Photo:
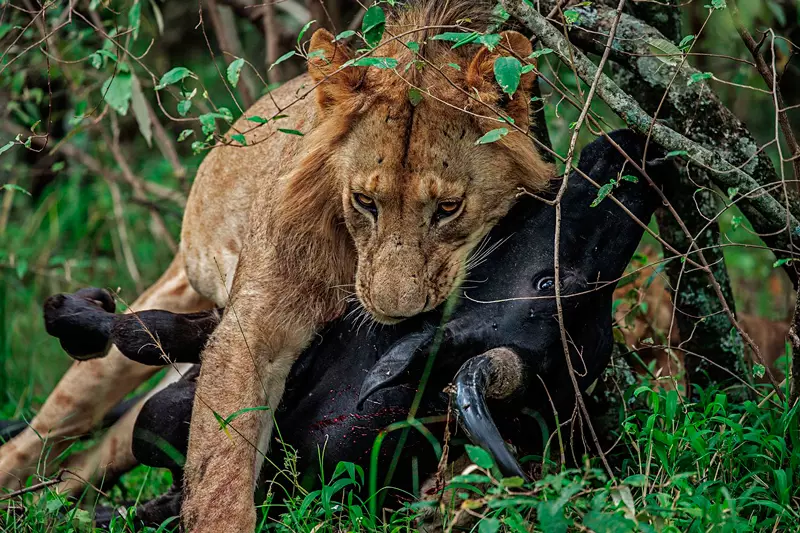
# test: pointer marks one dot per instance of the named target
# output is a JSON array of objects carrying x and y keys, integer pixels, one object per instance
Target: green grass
[{"x": 710, "y": 465}]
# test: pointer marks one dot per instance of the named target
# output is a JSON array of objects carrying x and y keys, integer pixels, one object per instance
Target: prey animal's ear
[
  {"x": 326, "y": 65},
  {"x": 481, "y": 78}
]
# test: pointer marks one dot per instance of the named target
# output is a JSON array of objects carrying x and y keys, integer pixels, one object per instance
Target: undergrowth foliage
[
  {"x": 88, "y": 100},
  {"x": 709, "y": 465}
]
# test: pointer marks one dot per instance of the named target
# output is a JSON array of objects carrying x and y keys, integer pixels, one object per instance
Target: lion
[{"x": 386, "y": 191}]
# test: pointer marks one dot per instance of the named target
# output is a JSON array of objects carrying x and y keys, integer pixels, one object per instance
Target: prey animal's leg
[
  {"x": 90, "y": 388},
  {"x": 113, "y": 456}
]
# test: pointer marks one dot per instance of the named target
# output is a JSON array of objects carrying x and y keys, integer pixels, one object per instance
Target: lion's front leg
[{"x": 245, "y": 365}]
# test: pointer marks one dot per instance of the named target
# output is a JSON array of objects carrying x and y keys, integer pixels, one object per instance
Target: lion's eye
[
  {"x": 365, "y": 202},
  {"x": 447, "y": 208}
]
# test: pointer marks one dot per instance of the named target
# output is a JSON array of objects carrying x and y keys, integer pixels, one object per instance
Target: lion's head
[{"x": 417, "y": 191}]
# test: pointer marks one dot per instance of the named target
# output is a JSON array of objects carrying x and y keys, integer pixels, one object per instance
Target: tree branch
[
  {"x": 226, "y": 44},
  {"x": 629, "y": 110},
  {"x": 771, "y": 82},
  {"x": 774, "y": 218},
  {"x": 692, "y": 109}
]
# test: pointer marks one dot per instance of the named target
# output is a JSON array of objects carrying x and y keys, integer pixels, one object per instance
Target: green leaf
[
  {"x": 540, "y": 53},
  {"x": 208, "y": 120},
  {"x": 174, "y": 76},
  {"x": 258, "y": 120},
  {"x": 233, "y": 416},
  {"x": 12, "y": 187},
  {"x": 479, "y": 456},
  {"x": 5, "y": 29},
  {"x": 459, "y": 38},
  {"x": 234, "y": 70},
  {"x": 628, "y": 177},
  {"x": 512, "y": 482},
  {"x": 413, "y": 46},
  {"x": 778, "y": 13},
  {"x": 678, "y": 153},
  {"x": 782, "y": 262},
  {"x": 185, "y": 134},
  {"x": 551, "y": 516},
  {"x": 636, "y": 480},
  {"x": 507, "y": 72},
  {"x": 490, "y": 40},
  {"x": 22, "y": 267},
  {"x": 98, "y": 58},
  {"x": 141, "y": 112},
  {"x": 303, "y": 31},
  {"x": 344, "y": 35},
  {"x": 377, "y": 62},
  {"x": 238, "y": 137},
  {"x": 571, "y": 16},
  {"x": 665, "y": 51},
  {"x": 759, "y": 370},
  {"x": 135, "y": 18},
  {"x": 414, "y": 96},
  {"x": 184, "y": 106},
  {"x": 717, "y": 4},
  {"x": 489, "y": 525},
  {"x": 372, "y": 25},
  {"x": 117, "y": 92},
  {"x": 158, "y": 16},
  {"x": 454, "y": 65},
  {"x": 698, "y": 77},
  {"x": 492, "y": 136},
  {"x": 6, "y": 147},
  {"x": 290, "y": 132},
  {"x": 602, "y": 192},
  {"x": 283, "y": 58},
  {"x": 732, "y": 191},
  {"x": 686, "y": 42}
]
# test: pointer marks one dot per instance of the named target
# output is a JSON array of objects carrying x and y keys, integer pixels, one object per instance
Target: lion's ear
[
  {"x": 326, "y": 65},
  {"x": 480, "y": 76}
]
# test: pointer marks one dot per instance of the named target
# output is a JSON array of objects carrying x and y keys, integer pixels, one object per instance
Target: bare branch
[{"x": 771, "y": 82}]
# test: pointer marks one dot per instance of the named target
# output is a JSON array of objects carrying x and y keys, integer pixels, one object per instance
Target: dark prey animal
[{"x": 499, "y": 343}]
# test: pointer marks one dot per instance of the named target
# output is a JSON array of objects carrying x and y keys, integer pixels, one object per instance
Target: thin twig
[
  {"x": 557, "y": 240},
  {"x": 770, "y": 80}
]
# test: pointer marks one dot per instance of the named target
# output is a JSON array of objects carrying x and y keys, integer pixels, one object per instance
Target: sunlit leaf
[
  {"x": 141, "y": 112},
  {"x": 698, "y": 77},
  {"x": 479, "y": 456},
  {"x": 303, "y": 31},
  {"x": 13, "y": 187},
  {"x": 602, "y": 192},
  {"x": 507, "y": 72},
  {"x": 174, "y": 76},
  {"x": 283, "y": 58},
  {"x": 493, "y": 136},
  {"x": 185, "y": 134},
  {"x": 135, "y": 18},
  {"x": 234, "y": 70},
  {"x": 344, "y": 35},
  {"x": 117, "y": 92},
  {"x": 372, "y": 25},
  {"x": 377, "y": 62}
]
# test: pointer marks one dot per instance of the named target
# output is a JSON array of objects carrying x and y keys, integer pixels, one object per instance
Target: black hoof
[{"x": 81, "y": 321}]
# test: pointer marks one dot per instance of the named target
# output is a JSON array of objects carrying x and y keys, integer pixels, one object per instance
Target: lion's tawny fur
[{"x": 273, "y": 231}]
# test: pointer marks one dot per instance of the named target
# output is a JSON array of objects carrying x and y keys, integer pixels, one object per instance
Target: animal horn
[
  {"x": 391, "y": 366},
  {"x": 496, "y": 374}
]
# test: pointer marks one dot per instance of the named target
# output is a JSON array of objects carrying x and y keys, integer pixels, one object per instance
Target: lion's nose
[{"x": 398, "y": 299}]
